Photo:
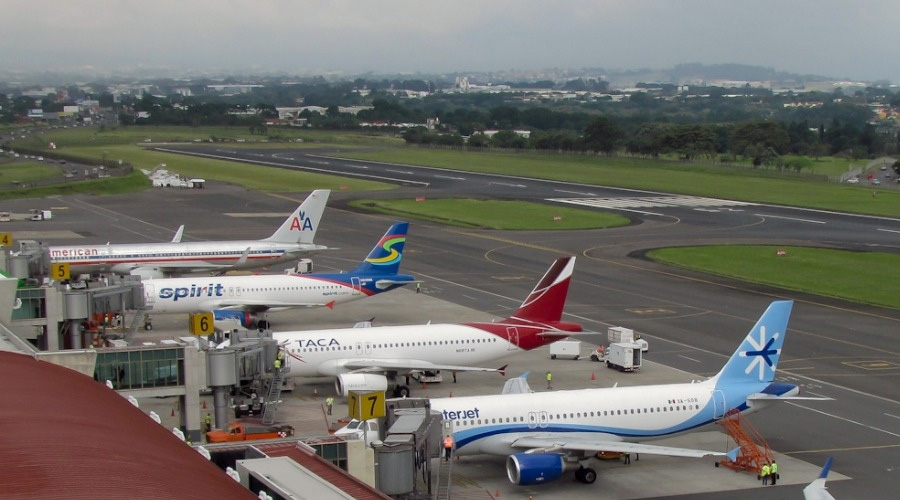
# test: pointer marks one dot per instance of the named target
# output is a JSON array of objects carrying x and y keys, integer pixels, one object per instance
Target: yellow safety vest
[
  {"x": 774, "y": 468},
  {"x": 765, "y": 470}
]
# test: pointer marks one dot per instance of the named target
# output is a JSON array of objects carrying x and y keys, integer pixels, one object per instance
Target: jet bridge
[{"x": 412, "y": 438}]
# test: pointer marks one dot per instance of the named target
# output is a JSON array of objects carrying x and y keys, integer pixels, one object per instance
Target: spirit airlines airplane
[
  {"x": 158, "y": 260},
  {"x": 243, "y": 298},
  {"x": 544, "y": 434},
  {"x": 370, "y": 359}
]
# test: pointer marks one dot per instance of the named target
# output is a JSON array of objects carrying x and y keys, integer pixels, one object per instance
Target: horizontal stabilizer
[
  {"x": 383, "y": 365},
  {"x": 774, "y": 397}
]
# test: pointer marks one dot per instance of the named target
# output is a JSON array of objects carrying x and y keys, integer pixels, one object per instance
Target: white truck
[
  {"x": 565, "y": 349},
  {"x": 624, "y": 356},
  {"x": 617, "y": 334}
]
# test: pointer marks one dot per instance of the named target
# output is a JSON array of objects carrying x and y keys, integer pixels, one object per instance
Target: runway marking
[
  {"x": 619, "y": 203},
  {"x": 407, "y": 172},
  {"x": 888, "y": 230},
  {"x": 449, "y": 177},
  {"x": 651, "y": 310},
  {"x": 691, "y": 359},
  {"x": 872, "y": 365},
  {"x": 574, "y": 192},
  {"x": 844, "y": 419},
  {"x": 507, "y": 184},
  {"x": 832, "y": 450},
  {"x": 790, "y": 218},
  {"x": 892, "y": 416},
  {"x": 469, "y": 297}
]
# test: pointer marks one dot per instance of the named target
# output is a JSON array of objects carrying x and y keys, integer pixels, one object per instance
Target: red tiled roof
[
  {"x": 67, "y": 436},
  {"x": 324, "y": 469}
]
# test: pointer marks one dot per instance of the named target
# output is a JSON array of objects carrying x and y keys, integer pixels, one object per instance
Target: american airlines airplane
[
  {"x": 245, "y": 298},
  {"x": 544, "y": 434},
  {"x": 291, "y": 241},
  {"x": 370, "y": 359}
]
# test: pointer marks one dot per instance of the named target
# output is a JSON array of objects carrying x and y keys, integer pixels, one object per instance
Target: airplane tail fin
[
  {"x": 545, "y": 303},
  {"x": 386, "y": 254},
  {"x": 301, "y": 226},
  {"x": 757, "y": 357}
]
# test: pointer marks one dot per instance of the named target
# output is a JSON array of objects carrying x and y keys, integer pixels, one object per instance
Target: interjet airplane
[
  {"x": 294, "y": 239},
  {"x": 371, "y": 359},
  {"x": 546, "y": 433},
  {"x": 245, "y": 299}
]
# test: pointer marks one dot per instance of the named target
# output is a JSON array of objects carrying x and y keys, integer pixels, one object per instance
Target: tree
[
  {"x": 764, "y": 135},
  {"x": 601, "y": 135}
]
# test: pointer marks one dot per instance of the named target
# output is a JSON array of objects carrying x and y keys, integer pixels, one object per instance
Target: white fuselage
[
  {"x": 490, "y": 424},
  {"x": 181, "y": 257},
  {"x": 325, "y": 352},
  {"x": 201, "y": 294}
]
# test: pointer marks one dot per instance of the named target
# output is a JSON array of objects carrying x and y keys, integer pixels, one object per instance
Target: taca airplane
[
  {"x": 544, "y": 434},
  {"x": 370, "y": 359},
  {"x": 243, "y": 298},
  {"x": 291, "y": 241}
]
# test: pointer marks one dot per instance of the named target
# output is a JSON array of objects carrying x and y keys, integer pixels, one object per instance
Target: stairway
[
  {"x": 442, "y": 492},
  {"x": 273, "y": 395},
  {"x": 754, "y": 450}
]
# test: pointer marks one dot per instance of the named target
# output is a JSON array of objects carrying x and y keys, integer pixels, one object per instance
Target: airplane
[
  {"x": 243, "y": 298},
  {"x": 370, "y": 359},
  {"x": 817, "y": 490},
  {"x": 159, "y": 260},
  {"x": 544, "y": 434}
]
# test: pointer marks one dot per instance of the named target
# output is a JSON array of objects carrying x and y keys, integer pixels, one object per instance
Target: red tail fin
[{"x": 545, "y": 303}]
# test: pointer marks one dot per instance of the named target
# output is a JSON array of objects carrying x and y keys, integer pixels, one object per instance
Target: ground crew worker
[
  {"x": 208, "y": 421},
  {"x": 277, "y": 364},
  {"x": 773, "y": 471},
  {"x": 549, "y": 379},
  {"x": 448, "y": 447},
  {"x": 329, "y": 404},
  {"x": 766, "y": 470},
  {"x": 418, "y": 287}
]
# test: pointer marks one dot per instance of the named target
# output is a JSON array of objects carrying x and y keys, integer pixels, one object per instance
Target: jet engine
[
  {"x": 526, "y": 469},
  {"x": 359, "y": 382},
  {"x": 227, "y": 319}
]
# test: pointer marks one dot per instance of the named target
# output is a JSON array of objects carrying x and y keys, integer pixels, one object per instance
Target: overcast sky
[{"x": 842, "y": 39}]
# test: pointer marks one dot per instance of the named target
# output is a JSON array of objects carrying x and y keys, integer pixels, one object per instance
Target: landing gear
[
  {"x": 586, "y": 475},
  {"x": 401, "y": 391},
  {"x": 148, "y": 325},
  {"x": 263, "y": 324}
]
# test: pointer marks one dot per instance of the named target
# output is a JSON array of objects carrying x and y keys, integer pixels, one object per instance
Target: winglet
[
  {"x": 826, "y": 468},
  {"x": 502, "y": 370},
  {"x": 330, "y": 305},
  {"x": 732, "y": 455},
  {"x": 178, "y": 234}
]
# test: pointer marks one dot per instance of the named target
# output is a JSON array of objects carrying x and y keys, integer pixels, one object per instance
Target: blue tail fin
[
  {"x": 386, "y": 254},
  {"x": 757, "y": 357}
]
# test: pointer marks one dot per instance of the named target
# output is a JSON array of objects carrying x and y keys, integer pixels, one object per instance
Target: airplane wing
[
  {"x": 817, "y": 490},
  {"x": 268, "y": 305},
  {"x": 384, "y": 365},
  {"x": 551, "y": 444},
  {"x": 381, "y": 284}
]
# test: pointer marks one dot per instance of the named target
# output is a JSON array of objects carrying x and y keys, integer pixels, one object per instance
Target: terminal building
[{"x": 89, "y": 418}]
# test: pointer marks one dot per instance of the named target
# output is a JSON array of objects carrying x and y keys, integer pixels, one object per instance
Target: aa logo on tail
[{"x": 301, "y": 223}]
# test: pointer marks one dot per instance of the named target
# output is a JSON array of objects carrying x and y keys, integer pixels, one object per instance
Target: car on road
[
  {"x": 876, "y": 182},
  {"x": 852, "y": 180}
]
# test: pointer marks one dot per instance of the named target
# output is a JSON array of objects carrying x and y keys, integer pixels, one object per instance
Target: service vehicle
[
  {"x": 570, "y": 349},
  {"x": 624, "y": 356},
  {"x": 367, "y": 431},
  {"x": 617, "y": 334},
  {"x": 239, "y": 431}
]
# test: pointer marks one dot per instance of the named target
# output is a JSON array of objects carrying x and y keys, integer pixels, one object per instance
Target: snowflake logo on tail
[{"x": 761, "y": 352}]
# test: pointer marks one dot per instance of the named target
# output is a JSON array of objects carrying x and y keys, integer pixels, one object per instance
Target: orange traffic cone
[
  {"x": 593, "y": 376},
  {"x": 204, "y": 404},
  {"x": 451, "y": 394},
  {"x": 497, "y": 494}
]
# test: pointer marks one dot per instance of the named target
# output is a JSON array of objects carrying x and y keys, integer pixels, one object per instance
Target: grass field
[
  {"x": 671, "y": 177},
  {"x": 493, "y": 214},
  {"x": 866, "y": 277}
]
